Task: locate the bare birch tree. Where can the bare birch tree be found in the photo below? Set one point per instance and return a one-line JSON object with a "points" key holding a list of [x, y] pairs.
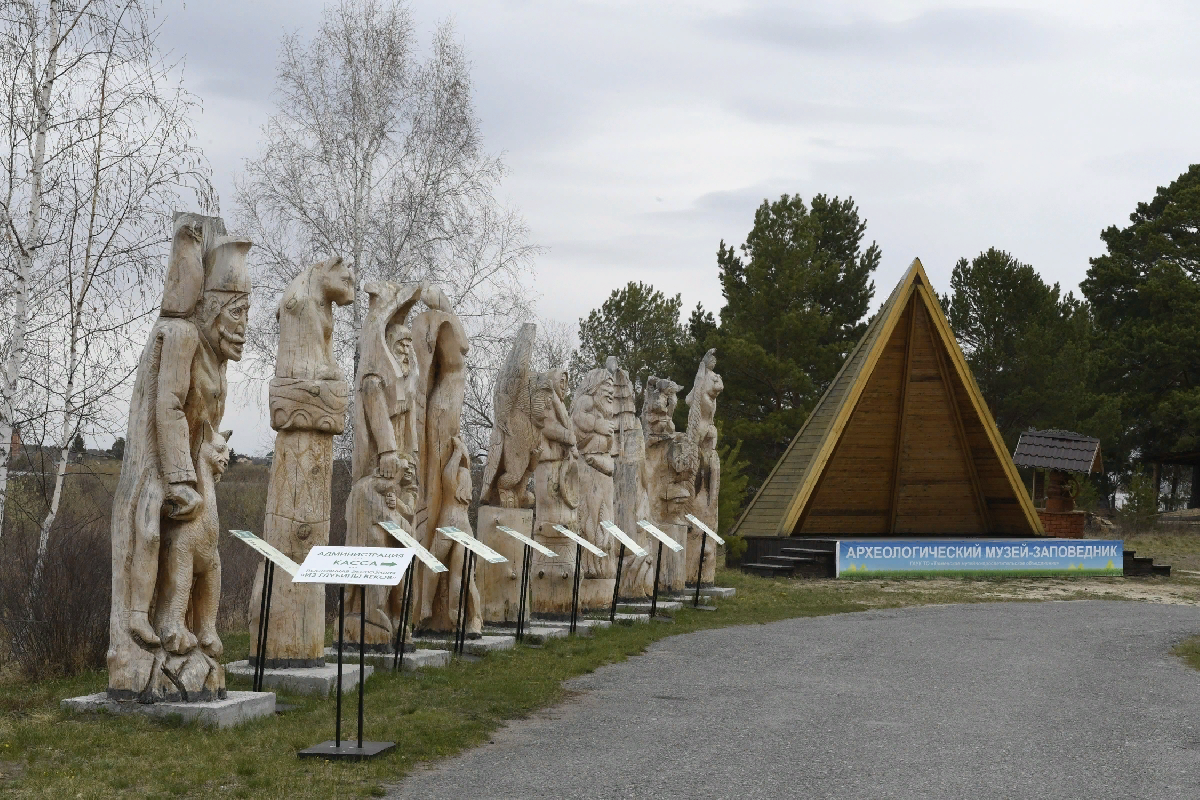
{"points": [[98, 147], [375, 153]]}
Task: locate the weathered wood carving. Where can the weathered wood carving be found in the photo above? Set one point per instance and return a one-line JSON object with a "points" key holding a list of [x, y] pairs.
{"points": [[556, 492], [671, 464], [702, 430], [308, 398], [385, 455], [163, 510], [593, 421], [631, 501], [513, 447]]}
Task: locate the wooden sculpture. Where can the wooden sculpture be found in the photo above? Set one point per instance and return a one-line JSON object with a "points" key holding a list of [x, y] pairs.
{"points": [[671, 464], [308, 398], [702, 430], [161, 498], [593, 421]]}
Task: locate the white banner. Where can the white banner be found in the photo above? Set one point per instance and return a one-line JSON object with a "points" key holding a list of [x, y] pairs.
{"points": [[289, 566], [406, 539], [471, 543], [623, 538], [579, 540], [523, 539], [707, 530], [649, 528]]}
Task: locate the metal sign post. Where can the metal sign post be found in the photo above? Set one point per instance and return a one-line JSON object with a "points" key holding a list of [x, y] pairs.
{"points": [[473, 547], [580, 545], [272, 556], [637, 550], [530, 545], [425, 557], [706, 533], [675, 547], [358, 566]]}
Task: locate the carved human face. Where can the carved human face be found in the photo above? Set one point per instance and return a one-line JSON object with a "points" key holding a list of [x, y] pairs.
{"points": [[225, 328], [399, 339], [606, 397], [337, 283], [561, 385]]}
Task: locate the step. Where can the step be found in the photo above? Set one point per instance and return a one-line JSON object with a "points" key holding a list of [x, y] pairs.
{"points": [[769, 570], [1162, 569], [805, 552], [791, 560]]}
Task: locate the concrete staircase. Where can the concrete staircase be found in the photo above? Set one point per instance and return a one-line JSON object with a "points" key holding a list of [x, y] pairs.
{"points": [[1143, 566]]}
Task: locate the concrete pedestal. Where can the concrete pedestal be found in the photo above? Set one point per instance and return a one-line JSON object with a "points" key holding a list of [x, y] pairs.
{"points": [[410, 661], [234, 709], [320, 680], [500, 584], [476, 647]]}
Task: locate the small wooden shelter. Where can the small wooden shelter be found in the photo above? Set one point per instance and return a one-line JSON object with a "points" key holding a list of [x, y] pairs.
{"points": [[901, 443]]}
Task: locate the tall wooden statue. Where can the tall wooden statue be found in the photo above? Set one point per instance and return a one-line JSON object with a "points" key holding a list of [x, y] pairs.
{"points": [[631, 501], [702, 430], [594, 423], [308, 398], [671, 463], [556, 494], [165, 572], [505, 498], [441, 348], [384, 462]]}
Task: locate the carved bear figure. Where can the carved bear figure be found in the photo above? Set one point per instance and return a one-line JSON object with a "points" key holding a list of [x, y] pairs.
{"points": [[191, 565]]}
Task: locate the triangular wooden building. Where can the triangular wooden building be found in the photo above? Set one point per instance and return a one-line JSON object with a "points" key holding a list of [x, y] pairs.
{"points": [[902, 442]]}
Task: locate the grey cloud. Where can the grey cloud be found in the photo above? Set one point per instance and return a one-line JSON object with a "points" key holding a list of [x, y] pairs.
{"points": [[964, 36]]}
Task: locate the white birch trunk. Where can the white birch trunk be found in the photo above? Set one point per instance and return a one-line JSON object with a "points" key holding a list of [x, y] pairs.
{"points": [[26, 245]]}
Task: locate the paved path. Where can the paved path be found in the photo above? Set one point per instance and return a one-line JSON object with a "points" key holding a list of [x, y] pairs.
{"points": [[1005, 700]]}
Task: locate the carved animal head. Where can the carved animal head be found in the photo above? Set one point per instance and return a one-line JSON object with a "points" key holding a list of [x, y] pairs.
{"points": [[214, 452], [334, 282]]}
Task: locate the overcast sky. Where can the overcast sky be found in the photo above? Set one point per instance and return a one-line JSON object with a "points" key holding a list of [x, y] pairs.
{"points": [[640, 134]]}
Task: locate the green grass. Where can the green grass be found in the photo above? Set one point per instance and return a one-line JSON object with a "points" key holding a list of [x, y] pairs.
{"points": [[1189, 651], [46, 752]]}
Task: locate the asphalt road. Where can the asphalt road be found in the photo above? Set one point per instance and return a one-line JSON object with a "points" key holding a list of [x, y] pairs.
{"points": [[1004, 700]]}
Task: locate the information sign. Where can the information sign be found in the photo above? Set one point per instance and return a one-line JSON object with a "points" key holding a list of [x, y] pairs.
{"points": [[623, 538], [474, 545], [406, 539], [579, 540], [362, 566], [873, 558], [523, 539], [707, 530], [272, 553], [649, 528]]}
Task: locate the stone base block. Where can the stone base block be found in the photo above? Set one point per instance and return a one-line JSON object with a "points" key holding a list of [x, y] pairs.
{"points": [[714, 591], [644, 607], [236, 708], [410, 662], [302, 680], [585, 626], [476, 647]]}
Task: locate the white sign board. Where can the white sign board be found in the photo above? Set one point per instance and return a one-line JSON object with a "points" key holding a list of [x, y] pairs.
{"points": [[623, 538], [474, 545], [369, 566], [523, 539], [278, 558], [579, 540], [662, 537], [709, 532], [404, 538]]}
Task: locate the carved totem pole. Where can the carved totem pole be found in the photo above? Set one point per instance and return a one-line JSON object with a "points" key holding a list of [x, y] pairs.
{"points": [[702, 430], [308, 398], [671, 463], [383, 463], [504, 497], [594, 423], [166, 578]]}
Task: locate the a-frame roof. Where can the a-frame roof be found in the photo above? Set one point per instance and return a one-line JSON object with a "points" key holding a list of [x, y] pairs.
{"points": [[902, 441]]}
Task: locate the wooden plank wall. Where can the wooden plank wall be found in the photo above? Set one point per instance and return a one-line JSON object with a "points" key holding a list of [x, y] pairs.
{"points": [[936, 473]]}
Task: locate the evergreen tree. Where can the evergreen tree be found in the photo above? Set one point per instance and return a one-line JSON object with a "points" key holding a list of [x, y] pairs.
{"points": [[1027, 346], [1145, 298], [640, 326], [796, 295]]}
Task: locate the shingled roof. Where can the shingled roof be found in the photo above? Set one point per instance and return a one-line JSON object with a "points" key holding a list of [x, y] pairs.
{"points": [[901, 442], [1055, 449]]}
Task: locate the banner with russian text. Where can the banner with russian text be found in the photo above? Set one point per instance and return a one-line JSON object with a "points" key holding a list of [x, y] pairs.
{"points": [[914, 558]]}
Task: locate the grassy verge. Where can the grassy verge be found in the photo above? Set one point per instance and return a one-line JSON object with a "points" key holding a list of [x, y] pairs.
{"points": [[45, 752], [1189, 651]]}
